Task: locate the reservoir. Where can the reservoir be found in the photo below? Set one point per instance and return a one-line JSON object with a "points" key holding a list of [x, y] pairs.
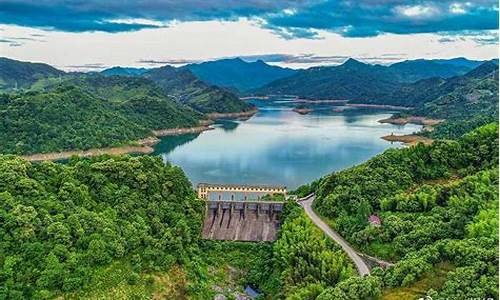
{"points": [[278, 146]]}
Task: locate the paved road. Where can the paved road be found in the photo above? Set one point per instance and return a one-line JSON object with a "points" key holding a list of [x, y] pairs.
{"points": [[353, 255]]}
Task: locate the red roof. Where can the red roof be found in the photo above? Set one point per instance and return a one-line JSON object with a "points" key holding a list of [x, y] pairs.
{"points": [[375, 220]]}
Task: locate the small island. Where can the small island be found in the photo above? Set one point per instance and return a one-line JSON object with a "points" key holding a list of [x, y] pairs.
{"points": [[302, 109]]}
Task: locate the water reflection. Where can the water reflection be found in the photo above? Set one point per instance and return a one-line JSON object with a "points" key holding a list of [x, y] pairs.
{"points": [[278, 146], [166, 145], [228, 125]]}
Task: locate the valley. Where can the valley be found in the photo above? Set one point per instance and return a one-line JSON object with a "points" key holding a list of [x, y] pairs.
{"points": [[101, 224]]}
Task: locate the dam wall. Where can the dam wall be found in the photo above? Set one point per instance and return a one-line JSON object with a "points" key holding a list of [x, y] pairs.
{"points": [[242, 220]]}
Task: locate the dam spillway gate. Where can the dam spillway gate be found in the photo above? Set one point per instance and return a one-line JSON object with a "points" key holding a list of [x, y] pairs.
{"points": [[238, 213]]}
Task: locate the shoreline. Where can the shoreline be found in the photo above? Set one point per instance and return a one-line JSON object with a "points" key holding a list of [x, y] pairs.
{"points": [[381, 106], [52, 156], [254, 97], [299, 100], [141, 146], [411, 120], [180, 131], [407, 139], [234, 115]]}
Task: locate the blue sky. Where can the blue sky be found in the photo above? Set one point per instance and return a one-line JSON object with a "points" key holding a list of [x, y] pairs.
{"points": [[324, 29]]}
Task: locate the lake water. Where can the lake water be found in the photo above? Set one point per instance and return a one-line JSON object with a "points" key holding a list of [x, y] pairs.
{"points": [[281, 147]]}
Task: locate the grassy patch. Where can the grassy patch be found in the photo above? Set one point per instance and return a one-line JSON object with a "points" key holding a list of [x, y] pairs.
{"points": [[221, 268], [381, 250], [119, 281], [433, 279]]}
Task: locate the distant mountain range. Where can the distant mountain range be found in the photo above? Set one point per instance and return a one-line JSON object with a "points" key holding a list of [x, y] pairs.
{"points": [[124, 71], [351, 80], [354, 80], [80, 110], [238, 74], [178, 83]]}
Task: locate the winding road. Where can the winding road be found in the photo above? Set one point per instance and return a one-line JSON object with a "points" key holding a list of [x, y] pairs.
{"points": [[360, 264]]}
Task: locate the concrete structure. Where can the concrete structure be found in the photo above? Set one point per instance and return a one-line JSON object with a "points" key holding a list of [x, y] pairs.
{"points": [[222, 190], [242, 220], [236, 212]]}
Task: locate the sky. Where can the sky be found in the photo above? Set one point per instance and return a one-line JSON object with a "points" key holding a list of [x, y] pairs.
{"points": [[86, 35]]}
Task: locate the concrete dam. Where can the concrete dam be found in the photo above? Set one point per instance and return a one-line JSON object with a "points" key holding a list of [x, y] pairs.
{"points": [[236, 212]]}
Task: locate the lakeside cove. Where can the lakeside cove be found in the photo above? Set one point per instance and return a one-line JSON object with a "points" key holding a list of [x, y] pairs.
{"points": [[162, 139], [142, 146]]}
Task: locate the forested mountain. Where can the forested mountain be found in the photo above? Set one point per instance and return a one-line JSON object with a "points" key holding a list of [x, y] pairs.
{"points": [[87, 112], [123, 71], [425, 90], [354, 80], [438, 206], [413, 70], [178, 83], [64, 224], [19, 74], [237, 73], [188, 89], [463, 62], [466, 102], [472, 102], [351, 80]]}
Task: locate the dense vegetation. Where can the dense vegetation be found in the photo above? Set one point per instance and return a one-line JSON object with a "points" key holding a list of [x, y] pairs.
{"points": [[438, 205], [85, 113], [472, 102], [303, 260], [19, 74], [464, 102], [238, 74], [62, 222], [188, 89]]}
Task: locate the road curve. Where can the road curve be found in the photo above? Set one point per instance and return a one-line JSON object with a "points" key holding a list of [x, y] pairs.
{"points": [[361, 266]]}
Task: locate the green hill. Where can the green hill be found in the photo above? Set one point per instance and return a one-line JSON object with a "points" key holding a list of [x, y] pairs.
{"points": [[466, 102], [64, 225], [87, 112], [188, 89], [471, 103], [21, 75], [438, 206]]}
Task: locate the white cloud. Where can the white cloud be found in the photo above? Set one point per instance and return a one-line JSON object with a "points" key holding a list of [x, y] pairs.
{"points": [[195, 41], [137, 21], [458, 8], [417, 11]]}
